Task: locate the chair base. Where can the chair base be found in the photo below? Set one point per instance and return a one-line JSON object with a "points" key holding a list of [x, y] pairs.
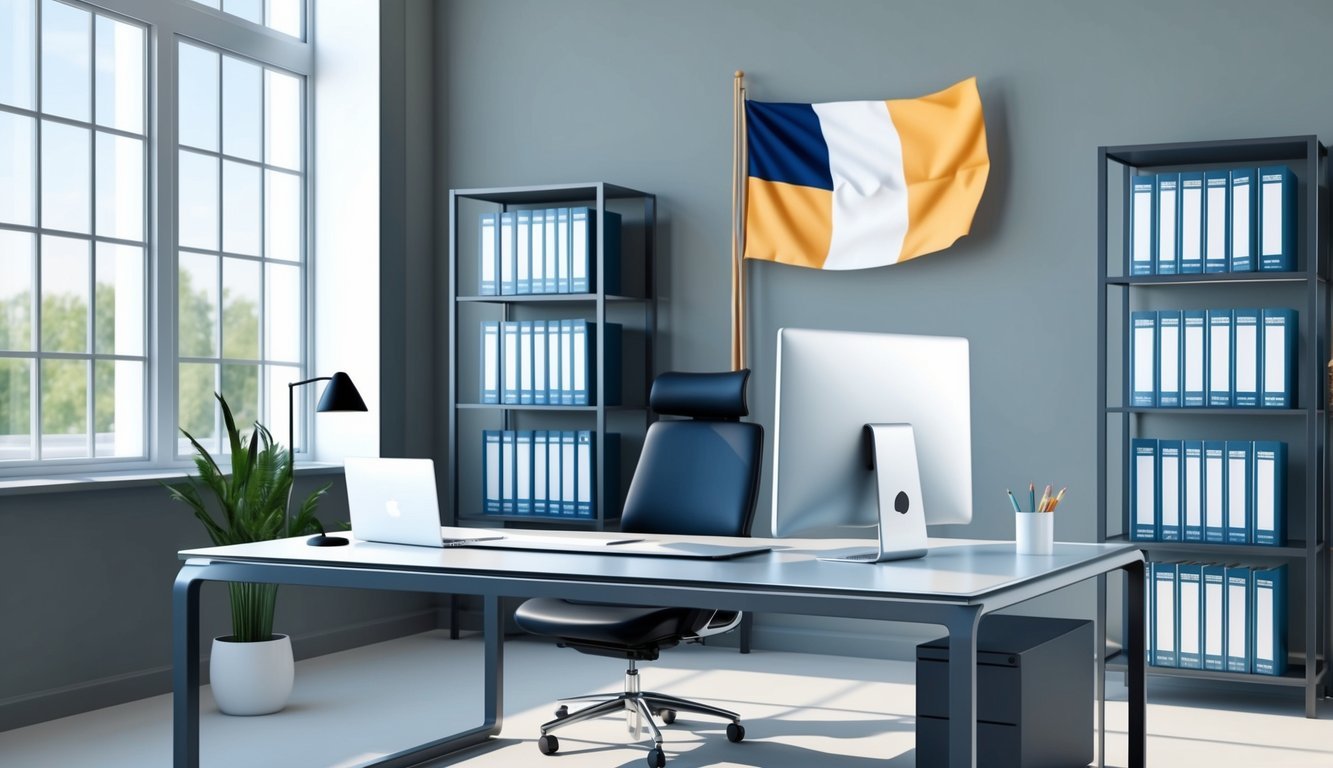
{"points": [[641, 709]]}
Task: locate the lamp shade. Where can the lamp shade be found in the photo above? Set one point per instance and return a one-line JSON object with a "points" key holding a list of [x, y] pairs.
{"points": [[340, 395]]}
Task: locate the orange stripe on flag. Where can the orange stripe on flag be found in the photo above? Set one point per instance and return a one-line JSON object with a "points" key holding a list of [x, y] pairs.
{"points": [[945, 165], [787, 223]]}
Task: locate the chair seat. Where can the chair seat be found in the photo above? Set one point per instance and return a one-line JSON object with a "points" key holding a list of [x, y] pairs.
{"points": [[605, 624]]}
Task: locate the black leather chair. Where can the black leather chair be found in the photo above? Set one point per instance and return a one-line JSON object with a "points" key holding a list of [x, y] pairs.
{"points": [[695, 476]]}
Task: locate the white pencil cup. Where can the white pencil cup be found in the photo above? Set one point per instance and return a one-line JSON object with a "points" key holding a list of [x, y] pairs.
{"points": [[1034, 532]]}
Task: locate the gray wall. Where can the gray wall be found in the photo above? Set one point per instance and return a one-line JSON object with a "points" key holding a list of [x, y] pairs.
{"points": [[639, 94]]}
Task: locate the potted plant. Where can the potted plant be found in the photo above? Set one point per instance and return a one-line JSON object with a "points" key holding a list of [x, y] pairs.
{"points": [[252, 669]]}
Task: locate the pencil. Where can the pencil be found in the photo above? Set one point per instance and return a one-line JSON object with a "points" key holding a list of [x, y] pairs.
{"points": [[1032, 496], [1013, 501], [1045, 496], [1058, 497]]}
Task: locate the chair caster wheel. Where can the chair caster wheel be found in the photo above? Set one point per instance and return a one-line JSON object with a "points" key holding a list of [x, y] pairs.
{"points": [[668, 715], [735, 733], [562, 712], [548, 745], [656, 758]]}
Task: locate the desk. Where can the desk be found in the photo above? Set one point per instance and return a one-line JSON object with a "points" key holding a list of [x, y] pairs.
{"points": [[954, 586]]}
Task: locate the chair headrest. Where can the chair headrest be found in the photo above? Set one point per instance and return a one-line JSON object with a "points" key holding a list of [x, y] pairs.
{"points": [[717, 396]]}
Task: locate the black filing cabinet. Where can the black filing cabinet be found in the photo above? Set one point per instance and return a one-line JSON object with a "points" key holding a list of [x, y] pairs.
{"points": [[1034, 694]]}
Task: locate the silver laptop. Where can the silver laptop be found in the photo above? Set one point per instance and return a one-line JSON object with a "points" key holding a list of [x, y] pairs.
{"points": [[393, 501]]}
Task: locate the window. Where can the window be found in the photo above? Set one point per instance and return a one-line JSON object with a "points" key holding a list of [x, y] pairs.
{"points": [[284, 16], [118, 319], [73, 234], [240, 240]]}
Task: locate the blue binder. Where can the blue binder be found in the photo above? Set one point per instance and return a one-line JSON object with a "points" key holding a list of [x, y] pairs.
{"points": [[508, 472], [1164, 637], [1194, 358], [1270, 494], [591, 486], [508, 257], [523, 251], [490, 361], [1189, 615], [551, 271], [1191, 223], [1143, 234], [540, 370], [564, 262], [537, 246], [566, 361], [584, 236], [541, 464], [1269, 605], [582, 248], [523, 472], [1168, 214], [1170, 480], [584, 346], [525, 361], [1169, 359], [490, 470], [1143, 489], [1216, 222], [488, 254], [1219, 358], [1214, 617], [1192, 490], [568, 474], [1242, 208], [1246, 352], [1215, 491], [1238, 619], [510, 364], [1240, 490], [1279, 360], [1143, 359], [1277, 219]]}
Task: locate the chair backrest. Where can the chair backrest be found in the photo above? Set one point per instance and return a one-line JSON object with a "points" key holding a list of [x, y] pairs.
{"points": [[698, 475]]}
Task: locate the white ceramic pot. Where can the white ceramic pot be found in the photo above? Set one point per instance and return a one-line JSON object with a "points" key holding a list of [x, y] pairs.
{"points": [[251, 678]]}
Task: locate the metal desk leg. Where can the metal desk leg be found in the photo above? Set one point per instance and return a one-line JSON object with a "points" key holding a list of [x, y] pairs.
{"points": [[185, 666], [963, 625], [1099, 679], [1136, 674], [453, 617], [493, 631], [747, 626]]}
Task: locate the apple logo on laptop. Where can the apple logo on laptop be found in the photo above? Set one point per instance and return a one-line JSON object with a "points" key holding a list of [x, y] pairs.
{"points": [[391, 507]]}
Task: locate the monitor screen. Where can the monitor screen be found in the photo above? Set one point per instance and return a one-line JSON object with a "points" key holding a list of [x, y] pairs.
{"points": [[830, 384]]}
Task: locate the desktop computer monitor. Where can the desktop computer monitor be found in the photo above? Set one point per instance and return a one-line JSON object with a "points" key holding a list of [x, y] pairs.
{"points": [[830, 386]]}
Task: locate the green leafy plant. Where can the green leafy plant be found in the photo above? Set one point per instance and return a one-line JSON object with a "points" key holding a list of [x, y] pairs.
{"points": [[249, 504]]}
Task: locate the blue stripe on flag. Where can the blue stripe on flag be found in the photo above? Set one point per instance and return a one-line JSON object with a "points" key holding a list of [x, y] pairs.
{"points": [[787, 145]]}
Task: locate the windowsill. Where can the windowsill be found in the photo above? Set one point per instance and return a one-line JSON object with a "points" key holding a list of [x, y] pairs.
{"points": [[17, 486]]}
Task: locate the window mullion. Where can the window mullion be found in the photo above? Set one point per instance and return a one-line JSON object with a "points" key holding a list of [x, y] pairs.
{"points": [[90, 372], [35, 394]]}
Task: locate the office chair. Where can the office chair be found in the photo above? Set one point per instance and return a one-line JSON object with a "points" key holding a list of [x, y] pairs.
{"points": [[695, 476]]}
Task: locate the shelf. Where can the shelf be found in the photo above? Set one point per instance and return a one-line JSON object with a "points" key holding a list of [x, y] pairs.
{"points": [[1214, 411], [563, 408], [1255, 151], [1213, 278], [550, 193], [545, 298], [1294, 550], [1294, 677]]}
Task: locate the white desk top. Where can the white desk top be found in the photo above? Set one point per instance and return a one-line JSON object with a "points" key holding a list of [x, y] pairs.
{"points": [[954, 570]]}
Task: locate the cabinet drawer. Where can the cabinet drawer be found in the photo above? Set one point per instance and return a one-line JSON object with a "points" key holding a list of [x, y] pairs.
{"points": [[998, 695]]}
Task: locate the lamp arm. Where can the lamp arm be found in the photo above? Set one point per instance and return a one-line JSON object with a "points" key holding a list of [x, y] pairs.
{"points": [[291, 446]]}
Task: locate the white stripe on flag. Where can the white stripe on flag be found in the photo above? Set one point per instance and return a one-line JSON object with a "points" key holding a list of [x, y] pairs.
{"points": [[869, 191]]}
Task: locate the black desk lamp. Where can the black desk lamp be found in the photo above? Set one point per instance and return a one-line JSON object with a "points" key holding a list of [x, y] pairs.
{"points": [[339, 395]]}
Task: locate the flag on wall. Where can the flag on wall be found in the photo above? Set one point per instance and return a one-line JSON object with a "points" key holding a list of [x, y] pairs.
{"points": [[859, 184]]}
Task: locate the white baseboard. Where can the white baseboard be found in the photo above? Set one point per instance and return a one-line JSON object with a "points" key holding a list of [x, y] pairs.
{"points": [[53, 703]]}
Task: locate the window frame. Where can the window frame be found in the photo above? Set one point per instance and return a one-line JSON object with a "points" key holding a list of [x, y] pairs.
{"points": [[165, 24]]}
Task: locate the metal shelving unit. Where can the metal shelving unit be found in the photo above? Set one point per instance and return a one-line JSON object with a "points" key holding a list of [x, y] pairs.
{"points": [[466, 310], [1305, 427]]}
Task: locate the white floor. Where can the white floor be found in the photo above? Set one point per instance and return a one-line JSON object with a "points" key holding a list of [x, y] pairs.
{"points": [[800, 710]]}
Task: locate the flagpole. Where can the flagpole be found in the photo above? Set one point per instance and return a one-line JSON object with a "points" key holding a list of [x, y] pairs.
{"points": [[737, 273]]}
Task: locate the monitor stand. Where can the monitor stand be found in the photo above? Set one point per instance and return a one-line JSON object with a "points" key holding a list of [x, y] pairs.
{"points": [[902, 520]]}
